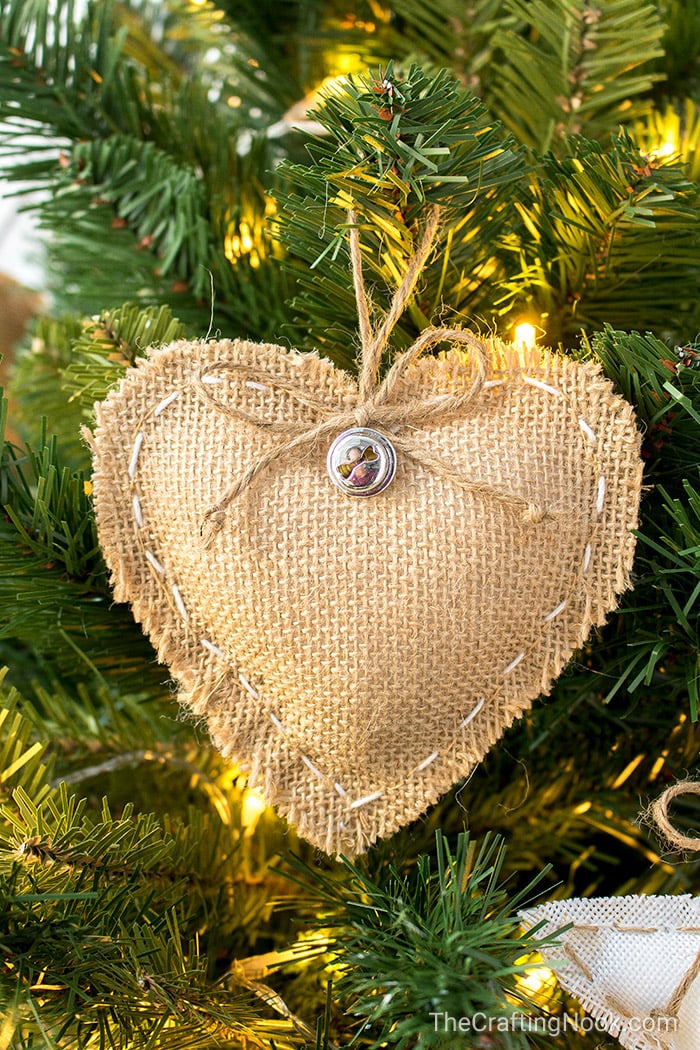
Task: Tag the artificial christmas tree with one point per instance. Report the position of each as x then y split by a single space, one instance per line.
148 897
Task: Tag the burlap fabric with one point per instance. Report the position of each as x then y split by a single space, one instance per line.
633 963
360 656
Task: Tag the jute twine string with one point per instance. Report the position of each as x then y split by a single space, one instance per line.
659 813
376 404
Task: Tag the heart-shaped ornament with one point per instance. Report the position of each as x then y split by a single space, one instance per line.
360 655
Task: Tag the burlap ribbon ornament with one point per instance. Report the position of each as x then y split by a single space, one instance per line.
358 656
633 962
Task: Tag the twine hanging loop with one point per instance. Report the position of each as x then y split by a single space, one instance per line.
659 814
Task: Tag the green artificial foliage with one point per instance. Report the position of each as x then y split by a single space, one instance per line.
195 163
568 68
423 948
391 153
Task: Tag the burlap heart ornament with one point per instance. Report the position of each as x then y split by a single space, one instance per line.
360 655
633 962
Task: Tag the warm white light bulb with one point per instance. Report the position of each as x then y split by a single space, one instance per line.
666 149
536 981
254 806
525 335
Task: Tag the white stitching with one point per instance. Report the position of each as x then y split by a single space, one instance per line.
514 663
366 800
312 767
473 714
247 686
276 723
211 647
555 612
588 431
586 558
154 561
162 405
427 761
601 495
340 789
138 442
137 511
542 386
179 602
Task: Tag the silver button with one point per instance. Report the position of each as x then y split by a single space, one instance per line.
361 462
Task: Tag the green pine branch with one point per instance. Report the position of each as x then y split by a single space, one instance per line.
609 234
53 584
662 615
108 928
447 34
397 146
104 347
680 61
440 942
139 142
567 68
563 795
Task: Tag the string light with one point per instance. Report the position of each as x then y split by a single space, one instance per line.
671 135
252 808
538 982
243 242
525 336
666 149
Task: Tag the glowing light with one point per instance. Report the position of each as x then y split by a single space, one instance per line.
537 983
232 247
667 149
242 242
347 62
582 808
246 239
627 772
296 115
658 765
252 808
525 335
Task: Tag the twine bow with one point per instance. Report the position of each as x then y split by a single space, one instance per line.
376 404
